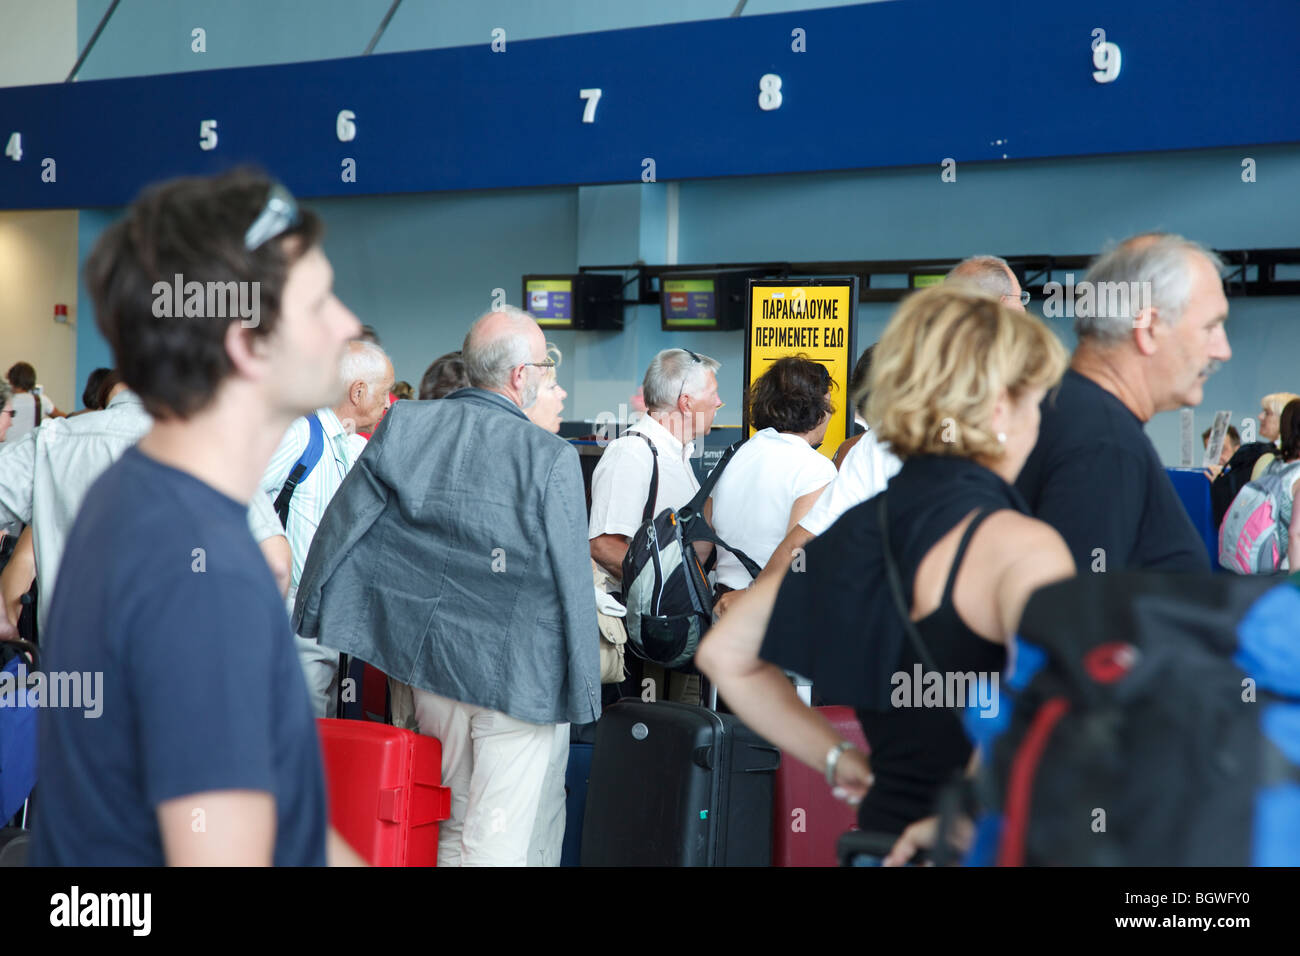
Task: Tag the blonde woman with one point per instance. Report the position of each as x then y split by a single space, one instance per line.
1270 420
546 408
955 387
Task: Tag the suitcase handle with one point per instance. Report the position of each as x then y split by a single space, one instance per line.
854 842
428 805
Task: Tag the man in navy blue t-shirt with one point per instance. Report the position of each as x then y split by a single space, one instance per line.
1094 475
204 750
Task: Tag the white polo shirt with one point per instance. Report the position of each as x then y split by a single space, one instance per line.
621 481
863 474
753 498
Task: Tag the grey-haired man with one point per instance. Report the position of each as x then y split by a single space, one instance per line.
681 397
1094 474
452 558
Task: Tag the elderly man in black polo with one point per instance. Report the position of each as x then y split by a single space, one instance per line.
454 558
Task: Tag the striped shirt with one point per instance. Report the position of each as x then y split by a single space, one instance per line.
314 491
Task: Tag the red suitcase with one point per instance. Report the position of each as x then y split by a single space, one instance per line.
807 820
385 792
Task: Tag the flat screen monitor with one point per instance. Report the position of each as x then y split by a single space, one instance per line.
923 280
580 300
689 303
550 301
704 301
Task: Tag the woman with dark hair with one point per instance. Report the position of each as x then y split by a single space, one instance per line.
443 376
1288 454
91 394
778 474
101 385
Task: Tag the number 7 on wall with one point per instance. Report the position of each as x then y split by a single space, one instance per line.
592 96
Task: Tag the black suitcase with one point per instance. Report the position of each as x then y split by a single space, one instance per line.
676 785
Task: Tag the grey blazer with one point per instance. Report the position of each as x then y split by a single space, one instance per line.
454 557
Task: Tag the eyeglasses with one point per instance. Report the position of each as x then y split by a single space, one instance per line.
278 216
549 363
1024 296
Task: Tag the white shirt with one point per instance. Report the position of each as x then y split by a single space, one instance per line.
45 476
753 498
863 474
25 415
621 481
312 495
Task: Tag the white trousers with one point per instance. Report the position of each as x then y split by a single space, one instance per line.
548 832
496 768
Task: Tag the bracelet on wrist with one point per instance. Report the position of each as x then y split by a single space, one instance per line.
833 760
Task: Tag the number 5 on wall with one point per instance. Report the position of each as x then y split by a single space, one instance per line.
208 134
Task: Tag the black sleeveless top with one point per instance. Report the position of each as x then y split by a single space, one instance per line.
837 623
915 750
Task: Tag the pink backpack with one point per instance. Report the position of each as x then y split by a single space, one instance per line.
1251 537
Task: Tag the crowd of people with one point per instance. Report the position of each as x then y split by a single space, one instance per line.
452 548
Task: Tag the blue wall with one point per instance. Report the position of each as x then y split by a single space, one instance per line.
420 268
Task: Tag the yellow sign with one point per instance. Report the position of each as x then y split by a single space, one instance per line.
812 318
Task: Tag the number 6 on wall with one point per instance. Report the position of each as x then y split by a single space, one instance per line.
344 126
592 96
208 134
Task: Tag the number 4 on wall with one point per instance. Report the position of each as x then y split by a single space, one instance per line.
15 148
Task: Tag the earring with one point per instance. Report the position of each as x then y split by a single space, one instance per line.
1002 438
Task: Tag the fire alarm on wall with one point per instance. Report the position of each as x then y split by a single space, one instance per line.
60 313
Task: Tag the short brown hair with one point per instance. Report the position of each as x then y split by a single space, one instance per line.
22 376
443 376
193 227
790 396
938 368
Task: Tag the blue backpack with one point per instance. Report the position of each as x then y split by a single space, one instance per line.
1152 720
301 468
18 662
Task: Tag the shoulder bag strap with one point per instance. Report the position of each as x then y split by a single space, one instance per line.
896 586
301 468
696 504
648 511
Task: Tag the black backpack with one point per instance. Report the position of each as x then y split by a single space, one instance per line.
669 601
1149 718
1235 476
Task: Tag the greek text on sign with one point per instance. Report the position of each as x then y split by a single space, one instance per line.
813 318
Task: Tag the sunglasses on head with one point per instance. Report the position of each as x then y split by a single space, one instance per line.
278 216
